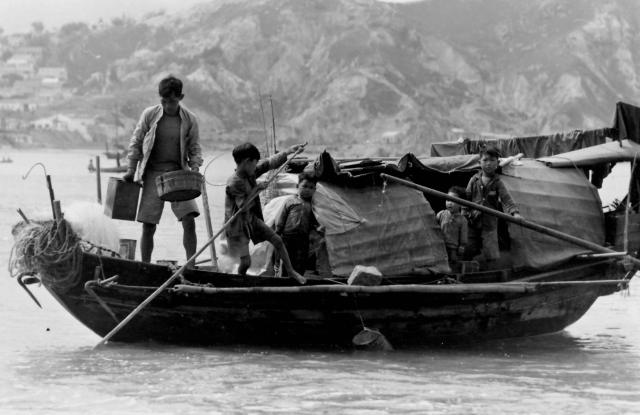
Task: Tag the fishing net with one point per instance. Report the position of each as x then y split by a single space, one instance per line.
49 249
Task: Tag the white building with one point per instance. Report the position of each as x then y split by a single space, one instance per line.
60 122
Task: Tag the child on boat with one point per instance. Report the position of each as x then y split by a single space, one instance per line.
249 225
454 225
296 222
486 188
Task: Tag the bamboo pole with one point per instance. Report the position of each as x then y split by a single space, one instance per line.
207 221
51 195
503 288
518 221
98 181
24 217
628 206
191 260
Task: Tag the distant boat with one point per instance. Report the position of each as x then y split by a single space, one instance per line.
113 169
6 160
115 154
117 169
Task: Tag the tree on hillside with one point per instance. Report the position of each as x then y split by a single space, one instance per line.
37 27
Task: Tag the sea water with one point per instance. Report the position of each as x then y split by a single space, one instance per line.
48 365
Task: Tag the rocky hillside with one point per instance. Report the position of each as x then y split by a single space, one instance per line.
392 77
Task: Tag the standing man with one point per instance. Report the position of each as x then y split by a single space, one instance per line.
165 139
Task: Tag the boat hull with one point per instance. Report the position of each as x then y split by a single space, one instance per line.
315 318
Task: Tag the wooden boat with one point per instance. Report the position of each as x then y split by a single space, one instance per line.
215 308
119 152
118 168
542 285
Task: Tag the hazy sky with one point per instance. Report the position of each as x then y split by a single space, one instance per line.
17 15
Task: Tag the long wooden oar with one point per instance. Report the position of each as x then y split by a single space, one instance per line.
518 221
191 260
491 287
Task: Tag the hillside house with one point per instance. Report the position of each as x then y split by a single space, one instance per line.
37 52
26 88
60 122
20 64
15 40
52 75
12 124
392 137
17 105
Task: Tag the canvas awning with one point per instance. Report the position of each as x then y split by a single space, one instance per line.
531 147
561 199
394 229
611 152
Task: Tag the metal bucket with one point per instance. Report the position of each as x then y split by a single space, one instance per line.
122 199
179 185
128 248
370 339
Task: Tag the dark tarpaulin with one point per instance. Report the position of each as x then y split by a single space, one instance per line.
627 122
530 147
439 173
450 164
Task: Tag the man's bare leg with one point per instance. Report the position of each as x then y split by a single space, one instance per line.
189 238
146 241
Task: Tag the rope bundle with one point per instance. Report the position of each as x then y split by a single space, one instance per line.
51 250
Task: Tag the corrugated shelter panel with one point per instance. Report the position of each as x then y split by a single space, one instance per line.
399 232
561 199
613 151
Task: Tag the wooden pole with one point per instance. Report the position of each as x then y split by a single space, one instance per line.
51 196
98 181
191 260
207 220
57 211
518 221
24 217
628 207
499 287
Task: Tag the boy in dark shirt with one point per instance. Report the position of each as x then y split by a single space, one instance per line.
249 225
486 189
296 222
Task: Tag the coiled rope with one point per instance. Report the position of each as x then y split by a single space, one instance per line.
51 250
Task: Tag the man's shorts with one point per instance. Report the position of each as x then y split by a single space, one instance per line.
150 209
239 244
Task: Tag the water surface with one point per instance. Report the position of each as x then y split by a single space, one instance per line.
49 366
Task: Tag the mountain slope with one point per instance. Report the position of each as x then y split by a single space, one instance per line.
394 76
